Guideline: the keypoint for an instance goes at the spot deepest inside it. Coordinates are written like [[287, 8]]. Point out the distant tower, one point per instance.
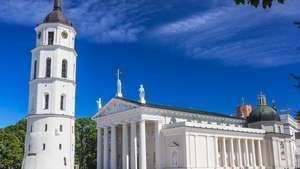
[[262, 101], [243, 110], [50, 139]]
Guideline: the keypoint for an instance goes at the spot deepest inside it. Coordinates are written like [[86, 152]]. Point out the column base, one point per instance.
[[256, 167]]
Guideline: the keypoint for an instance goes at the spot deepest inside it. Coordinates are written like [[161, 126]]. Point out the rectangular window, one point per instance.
[[46, 106], [61, 128], [34, 69], [50, 38], [62, 102], [44, 146], [65, 161], [48, 67], [64, 69], [60, 146], [46, 127]]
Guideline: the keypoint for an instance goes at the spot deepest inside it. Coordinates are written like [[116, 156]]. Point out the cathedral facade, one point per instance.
[[138, 135]]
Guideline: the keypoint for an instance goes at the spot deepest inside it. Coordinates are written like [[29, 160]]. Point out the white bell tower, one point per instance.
[[50, 138]]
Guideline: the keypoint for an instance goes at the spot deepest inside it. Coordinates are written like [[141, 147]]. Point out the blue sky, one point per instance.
[[205, 54]]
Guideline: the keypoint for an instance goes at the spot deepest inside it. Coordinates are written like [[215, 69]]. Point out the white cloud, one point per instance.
[[238, 35], [100, 20]]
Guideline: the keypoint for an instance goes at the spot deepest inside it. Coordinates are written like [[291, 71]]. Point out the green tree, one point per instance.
[[298, 80], [12, 145], [86, 143], [298, 115], [258, 3]]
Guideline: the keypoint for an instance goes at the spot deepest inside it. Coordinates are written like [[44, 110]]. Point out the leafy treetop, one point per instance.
[[256, 3]]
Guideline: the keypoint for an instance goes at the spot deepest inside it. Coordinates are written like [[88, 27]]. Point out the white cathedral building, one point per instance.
[[139, 135], [136, 134]]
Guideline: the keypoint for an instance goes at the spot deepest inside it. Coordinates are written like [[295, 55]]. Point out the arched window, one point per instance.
[[62, 102], [64, 69], [61, 128], [34, 69], [48, 67], [46, 101], [44, 146], [46, 127], [60, 146]]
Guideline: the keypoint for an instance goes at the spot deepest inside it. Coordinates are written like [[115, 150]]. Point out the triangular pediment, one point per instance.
[[116, 105]]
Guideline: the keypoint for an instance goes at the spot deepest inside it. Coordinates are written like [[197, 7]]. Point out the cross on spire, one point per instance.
[[57, 5], [118, 74]]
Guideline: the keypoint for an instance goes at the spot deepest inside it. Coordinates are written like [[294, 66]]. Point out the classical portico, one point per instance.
[[130, 131], [139, 135]]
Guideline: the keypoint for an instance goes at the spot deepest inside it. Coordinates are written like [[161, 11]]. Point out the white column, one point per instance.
[[287, 152], [143, 157], [99, 148], [105, 147], [253, 153], [158, 127], [224, 152], [133, 146], [217, 152], [260, 161], [240, 159], [113, 148], [247, 153], [125, 155], [232, 153]]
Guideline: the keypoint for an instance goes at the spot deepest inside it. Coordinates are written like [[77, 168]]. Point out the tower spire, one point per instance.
[[262, 101], [57, 5], [119, 84]]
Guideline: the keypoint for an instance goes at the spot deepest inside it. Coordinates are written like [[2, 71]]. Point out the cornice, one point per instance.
[[53, 47], [50, 115], [51, 80]]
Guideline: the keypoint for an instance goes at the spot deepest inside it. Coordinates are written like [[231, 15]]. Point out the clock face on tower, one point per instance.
[[64, 34]]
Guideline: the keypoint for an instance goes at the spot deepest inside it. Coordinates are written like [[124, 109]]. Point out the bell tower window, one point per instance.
[[34, 69], [50, 38], [65, 161], [64, 69], [46, 101], [61, 128], [48, 67], [39, 35], [62, 102]]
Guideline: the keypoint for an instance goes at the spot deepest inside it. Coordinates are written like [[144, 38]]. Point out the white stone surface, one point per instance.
[[50, 138], [183, 140]]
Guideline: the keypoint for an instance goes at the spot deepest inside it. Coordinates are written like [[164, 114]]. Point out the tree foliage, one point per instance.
[[298, 80], [298, 115], [86, 143], [257, 3], [12, 141], [12, 145]]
